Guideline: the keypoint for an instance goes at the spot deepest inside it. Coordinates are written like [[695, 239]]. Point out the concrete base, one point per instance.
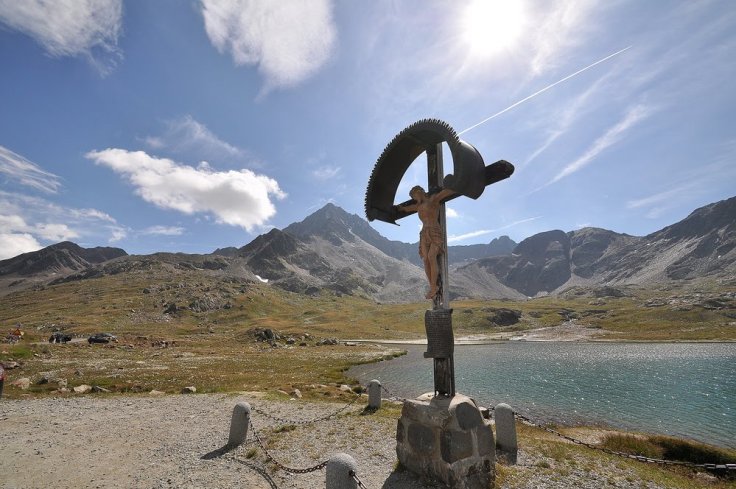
[[447, 439]]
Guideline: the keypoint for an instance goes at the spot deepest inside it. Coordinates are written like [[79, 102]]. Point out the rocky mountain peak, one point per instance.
[[717, 216], [335, 225]]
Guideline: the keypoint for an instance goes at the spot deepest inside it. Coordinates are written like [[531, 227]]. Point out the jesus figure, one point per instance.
[[432, 237]]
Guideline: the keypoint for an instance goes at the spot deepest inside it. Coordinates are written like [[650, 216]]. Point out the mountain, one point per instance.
[[700, 246], [53, 261], [337, 251], [335, 225], [368, 263]]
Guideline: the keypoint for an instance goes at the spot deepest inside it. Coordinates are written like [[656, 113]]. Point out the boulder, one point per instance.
[[189, 390], [503, 316], [82, 389], [23, 383]]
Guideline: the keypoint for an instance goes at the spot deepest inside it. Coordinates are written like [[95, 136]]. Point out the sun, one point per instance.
[[491, 26]]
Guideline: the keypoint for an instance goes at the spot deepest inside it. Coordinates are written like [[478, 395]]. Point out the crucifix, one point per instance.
[[470, 177]]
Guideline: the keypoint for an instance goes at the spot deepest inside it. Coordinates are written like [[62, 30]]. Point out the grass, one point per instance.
[[668, 448], [559, 458]]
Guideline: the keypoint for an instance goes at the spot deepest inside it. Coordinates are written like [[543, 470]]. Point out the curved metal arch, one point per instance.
[[469, 170]]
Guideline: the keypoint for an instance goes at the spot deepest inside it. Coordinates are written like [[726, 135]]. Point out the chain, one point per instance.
[[283, 467], [391, 396], [640, 458], [308, 421], [355, 478]]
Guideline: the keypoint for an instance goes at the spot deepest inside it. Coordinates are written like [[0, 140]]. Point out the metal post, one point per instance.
[[444, 368]]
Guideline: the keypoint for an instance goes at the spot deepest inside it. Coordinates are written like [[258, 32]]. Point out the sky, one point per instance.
[[187, 126]]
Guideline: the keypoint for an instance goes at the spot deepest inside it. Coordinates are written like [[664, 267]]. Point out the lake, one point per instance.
[[680, 389]]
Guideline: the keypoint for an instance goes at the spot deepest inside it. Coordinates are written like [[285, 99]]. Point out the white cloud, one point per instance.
[[117, 233], [164, 230], [288, 41], [611, 137], [326, 172], [188, 136], [69, 27], [451, 213], [25, 172], [558, 29], [14, 244], [481, 232], [55, 232], [238, 198], [24, 216]]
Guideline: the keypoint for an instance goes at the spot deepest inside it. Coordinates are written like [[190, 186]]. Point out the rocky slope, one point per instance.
[[700, 246]]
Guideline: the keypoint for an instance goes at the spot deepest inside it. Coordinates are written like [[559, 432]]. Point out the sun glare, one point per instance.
[[491, 26]]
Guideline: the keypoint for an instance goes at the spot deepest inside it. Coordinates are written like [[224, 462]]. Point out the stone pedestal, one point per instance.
[[447, 439]]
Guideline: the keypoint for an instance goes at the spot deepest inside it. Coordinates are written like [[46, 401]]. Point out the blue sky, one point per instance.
[[190, 125]]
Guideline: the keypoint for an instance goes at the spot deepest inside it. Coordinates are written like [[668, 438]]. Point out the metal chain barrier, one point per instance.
[[358, 481], [640, 458], [308, 421], [283, 467], [391, 396]]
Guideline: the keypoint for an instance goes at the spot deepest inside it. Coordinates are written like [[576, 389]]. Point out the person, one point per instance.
[[431, 237]]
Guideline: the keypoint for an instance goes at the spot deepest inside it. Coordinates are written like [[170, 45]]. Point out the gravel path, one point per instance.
[[177, 441]]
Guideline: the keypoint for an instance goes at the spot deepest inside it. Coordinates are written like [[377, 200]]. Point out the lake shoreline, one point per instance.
[[608, 384]]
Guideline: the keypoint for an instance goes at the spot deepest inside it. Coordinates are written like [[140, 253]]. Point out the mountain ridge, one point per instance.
[[334, 250]]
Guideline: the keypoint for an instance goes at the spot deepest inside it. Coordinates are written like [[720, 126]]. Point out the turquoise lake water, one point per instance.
[[679, 389]]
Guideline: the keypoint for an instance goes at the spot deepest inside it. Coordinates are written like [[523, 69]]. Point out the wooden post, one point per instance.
[[444, 368]]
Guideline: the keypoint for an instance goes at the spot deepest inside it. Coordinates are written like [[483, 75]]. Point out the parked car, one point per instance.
[[102, 338], [59, 337]]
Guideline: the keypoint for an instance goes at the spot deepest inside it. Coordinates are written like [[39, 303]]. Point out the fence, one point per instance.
[[341, 469], [640, 458]]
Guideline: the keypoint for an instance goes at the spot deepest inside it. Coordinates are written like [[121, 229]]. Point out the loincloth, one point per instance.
[[431, 236]]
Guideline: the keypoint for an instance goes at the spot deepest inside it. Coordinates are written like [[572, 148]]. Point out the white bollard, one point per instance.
[[339, 472], [374, 394], [239, 424], [506, 432]]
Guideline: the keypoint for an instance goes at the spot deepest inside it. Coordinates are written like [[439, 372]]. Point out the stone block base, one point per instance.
[[447, 439]]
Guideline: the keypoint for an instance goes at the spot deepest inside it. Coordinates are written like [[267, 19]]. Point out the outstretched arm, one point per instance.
[[442, 195]]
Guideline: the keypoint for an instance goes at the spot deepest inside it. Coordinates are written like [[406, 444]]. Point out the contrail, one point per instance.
[[543, 90]]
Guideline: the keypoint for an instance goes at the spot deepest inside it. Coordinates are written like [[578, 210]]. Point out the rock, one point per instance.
[[607, 291], [82, 389], [62, 383], [345, 388], [503, 316], [189, 390], [283, 392], [10, 365], [170, 308], [296, 393], [23, 383], [290, 341], [97, 388], [154, 392]]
